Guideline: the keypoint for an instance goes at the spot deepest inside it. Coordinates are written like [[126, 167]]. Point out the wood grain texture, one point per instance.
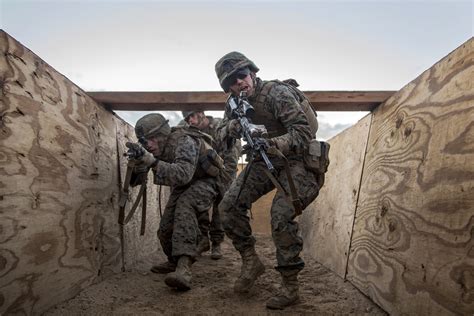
[[58, 185], [412, 250], [215, 100], [327, 222]]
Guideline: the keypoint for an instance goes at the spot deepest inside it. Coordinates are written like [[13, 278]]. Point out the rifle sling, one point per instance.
[[293, 199], [246, 175], [123, 201], [143, 224], [124, 194]]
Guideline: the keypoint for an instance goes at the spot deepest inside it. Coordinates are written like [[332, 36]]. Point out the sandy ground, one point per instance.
[[140, 292]]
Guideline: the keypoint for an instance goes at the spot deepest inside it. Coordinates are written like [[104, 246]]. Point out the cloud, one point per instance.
[[131, 117], [327, 130]]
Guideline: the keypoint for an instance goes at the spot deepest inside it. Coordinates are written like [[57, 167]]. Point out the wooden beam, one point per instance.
[[214, 100]]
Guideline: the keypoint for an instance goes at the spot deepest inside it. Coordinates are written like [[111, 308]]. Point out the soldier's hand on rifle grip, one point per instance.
[[138, 156], [264, 143], [261, 143], [246, 149], [234, 129], [135, 150], [147, 159]]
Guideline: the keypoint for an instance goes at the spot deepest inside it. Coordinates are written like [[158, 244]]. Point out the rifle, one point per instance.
[[135, 150], [241, 109], [252, 133]]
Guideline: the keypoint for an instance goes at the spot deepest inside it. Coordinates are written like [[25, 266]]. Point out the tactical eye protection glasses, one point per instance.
[[239, 74]]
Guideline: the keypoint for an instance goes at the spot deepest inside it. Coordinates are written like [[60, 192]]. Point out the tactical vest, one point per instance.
[[209, 163], [316, 155], [263, 115]]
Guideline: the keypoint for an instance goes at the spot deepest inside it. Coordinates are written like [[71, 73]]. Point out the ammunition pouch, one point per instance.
[[316, 156], [211, 162]]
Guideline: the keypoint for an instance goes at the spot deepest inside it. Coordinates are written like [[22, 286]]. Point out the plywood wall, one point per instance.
[[412, 249], [327, 223], [58, 185]]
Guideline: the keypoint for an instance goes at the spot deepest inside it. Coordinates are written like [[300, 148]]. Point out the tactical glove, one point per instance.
[[135, 150], [147, 159], [234, 129], [139, 157], [263, 143]]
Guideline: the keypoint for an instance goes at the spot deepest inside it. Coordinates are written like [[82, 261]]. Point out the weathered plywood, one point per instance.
[[215, 100], [327, 222], [412, 250], [59, 187]]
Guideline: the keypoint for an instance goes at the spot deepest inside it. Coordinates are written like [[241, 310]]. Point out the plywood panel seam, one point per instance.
[[120, 184]]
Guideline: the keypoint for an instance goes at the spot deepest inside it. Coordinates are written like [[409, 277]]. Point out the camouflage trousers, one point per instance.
[[179, 231], [212, 228], [286, 237]]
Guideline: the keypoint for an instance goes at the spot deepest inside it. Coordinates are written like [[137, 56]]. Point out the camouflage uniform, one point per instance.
[[180, 158], [230, 157], [290, 133], [192, 193], [291, 124]]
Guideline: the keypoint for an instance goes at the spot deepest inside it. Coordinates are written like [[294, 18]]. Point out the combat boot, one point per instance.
[[288, 294], [216, 253], [251, 269], [164, 267], [181, 278], [203, 245]]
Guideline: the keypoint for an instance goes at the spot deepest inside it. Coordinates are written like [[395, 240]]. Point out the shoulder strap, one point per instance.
[[290, 83], [308, 109], [262, 97], [194, 132], [302, 99]]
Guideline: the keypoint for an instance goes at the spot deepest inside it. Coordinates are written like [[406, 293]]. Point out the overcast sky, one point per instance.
[[173, 46]]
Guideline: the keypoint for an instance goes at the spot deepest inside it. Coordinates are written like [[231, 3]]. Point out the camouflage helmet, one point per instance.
[[229, 64], [152, 125], [187, 113]]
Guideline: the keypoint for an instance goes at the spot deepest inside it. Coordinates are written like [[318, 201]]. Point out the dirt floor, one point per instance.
[[140, 292]]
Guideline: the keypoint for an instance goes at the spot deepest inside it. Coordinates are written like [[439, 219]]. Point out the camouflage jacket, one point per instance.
[[178, 162], [281, 108], [230, 154]]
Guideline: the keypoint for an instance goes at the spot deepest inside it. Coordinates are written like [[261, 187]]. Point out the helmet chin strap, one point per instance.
[[161, 144]]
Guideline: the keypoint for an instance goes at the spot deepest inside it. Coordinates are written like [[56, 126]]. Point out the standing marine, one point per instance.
[[291, 124]]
